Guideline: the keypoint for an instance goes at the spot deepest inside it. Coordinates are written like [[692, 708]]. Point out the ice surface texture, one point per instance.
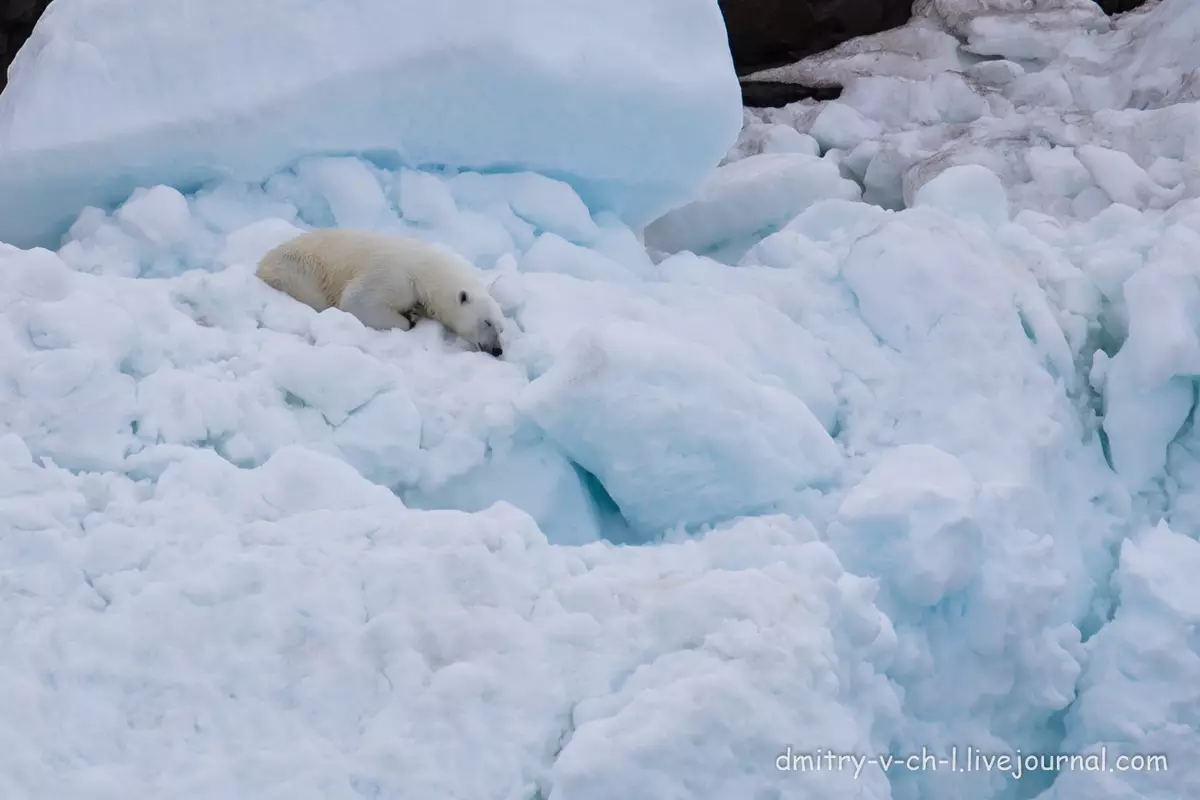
[[904, 459], [216, 457], [106, 97]]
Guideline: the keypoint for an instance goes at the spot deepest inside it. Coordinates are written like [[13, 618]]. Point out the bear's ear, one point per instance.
[[463, 298]]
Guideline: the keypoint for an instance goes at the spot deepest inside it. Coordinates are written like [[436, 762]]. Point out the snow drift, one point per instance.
[[632, 102]]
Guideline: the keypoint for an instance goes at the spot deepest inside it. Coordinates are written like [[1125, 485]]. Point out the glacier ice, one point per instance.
[[108, 97], [676, 436]]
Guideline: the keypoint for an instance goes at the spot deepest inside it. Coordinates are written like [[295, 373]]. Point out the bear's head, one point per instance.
[[476, 317]]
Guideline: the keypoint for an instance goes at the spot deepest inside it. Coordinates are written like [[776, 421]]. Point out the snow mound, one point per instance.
[[747, 198], [676, 436], [911, 516], [634, 102], [970, 191]]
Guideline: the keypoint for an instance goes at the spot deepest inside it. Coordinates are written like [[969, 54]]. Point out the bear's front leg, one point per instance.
[[373, 309], [397, 319]]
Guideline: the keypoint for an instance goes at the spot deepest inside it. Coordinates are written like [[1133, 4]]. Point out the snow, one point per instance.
[[1141, 683], [842, 127], [911, 514], [621, 403], [881, 438], [783, 139], [107, 97], [748, 198], [968, 191]]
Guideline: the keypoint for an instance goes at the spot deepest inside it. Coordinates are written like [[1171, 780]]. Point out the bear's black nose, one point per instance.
[[497, 351]]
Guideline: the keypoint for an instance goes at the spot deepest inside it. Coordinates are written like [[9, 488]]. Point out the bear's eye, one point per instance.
[[463, 298], [488, 322]]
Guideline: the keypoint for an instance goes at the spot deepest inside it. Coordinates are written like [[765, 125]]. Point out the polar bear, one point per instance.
[[386, 282]]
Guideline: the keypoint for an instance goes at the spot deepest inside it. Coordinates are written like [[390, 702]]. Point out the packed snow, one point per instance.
[[879, 442]]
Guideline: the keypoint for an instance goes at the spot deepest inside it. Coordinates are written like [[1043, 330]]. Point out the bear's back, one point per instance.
[[315, 267]]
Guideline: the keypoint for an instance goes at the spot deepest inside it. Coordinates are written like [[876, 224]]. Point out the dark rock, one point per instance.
[[769, 94], [1119, 6], [17, 18], [771, 33]]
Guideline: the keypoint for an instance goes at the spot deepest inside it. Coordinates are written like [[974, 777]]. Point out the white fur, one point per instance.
[[386, 282]]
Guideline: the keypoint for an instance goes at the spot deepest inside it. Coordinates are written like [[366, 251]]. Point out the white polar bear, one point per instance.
[[386, 281]]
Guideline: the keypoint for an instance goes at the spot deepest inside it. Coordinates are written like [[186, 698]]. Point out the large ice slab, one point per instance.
[[631, 102], [675, 435]]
